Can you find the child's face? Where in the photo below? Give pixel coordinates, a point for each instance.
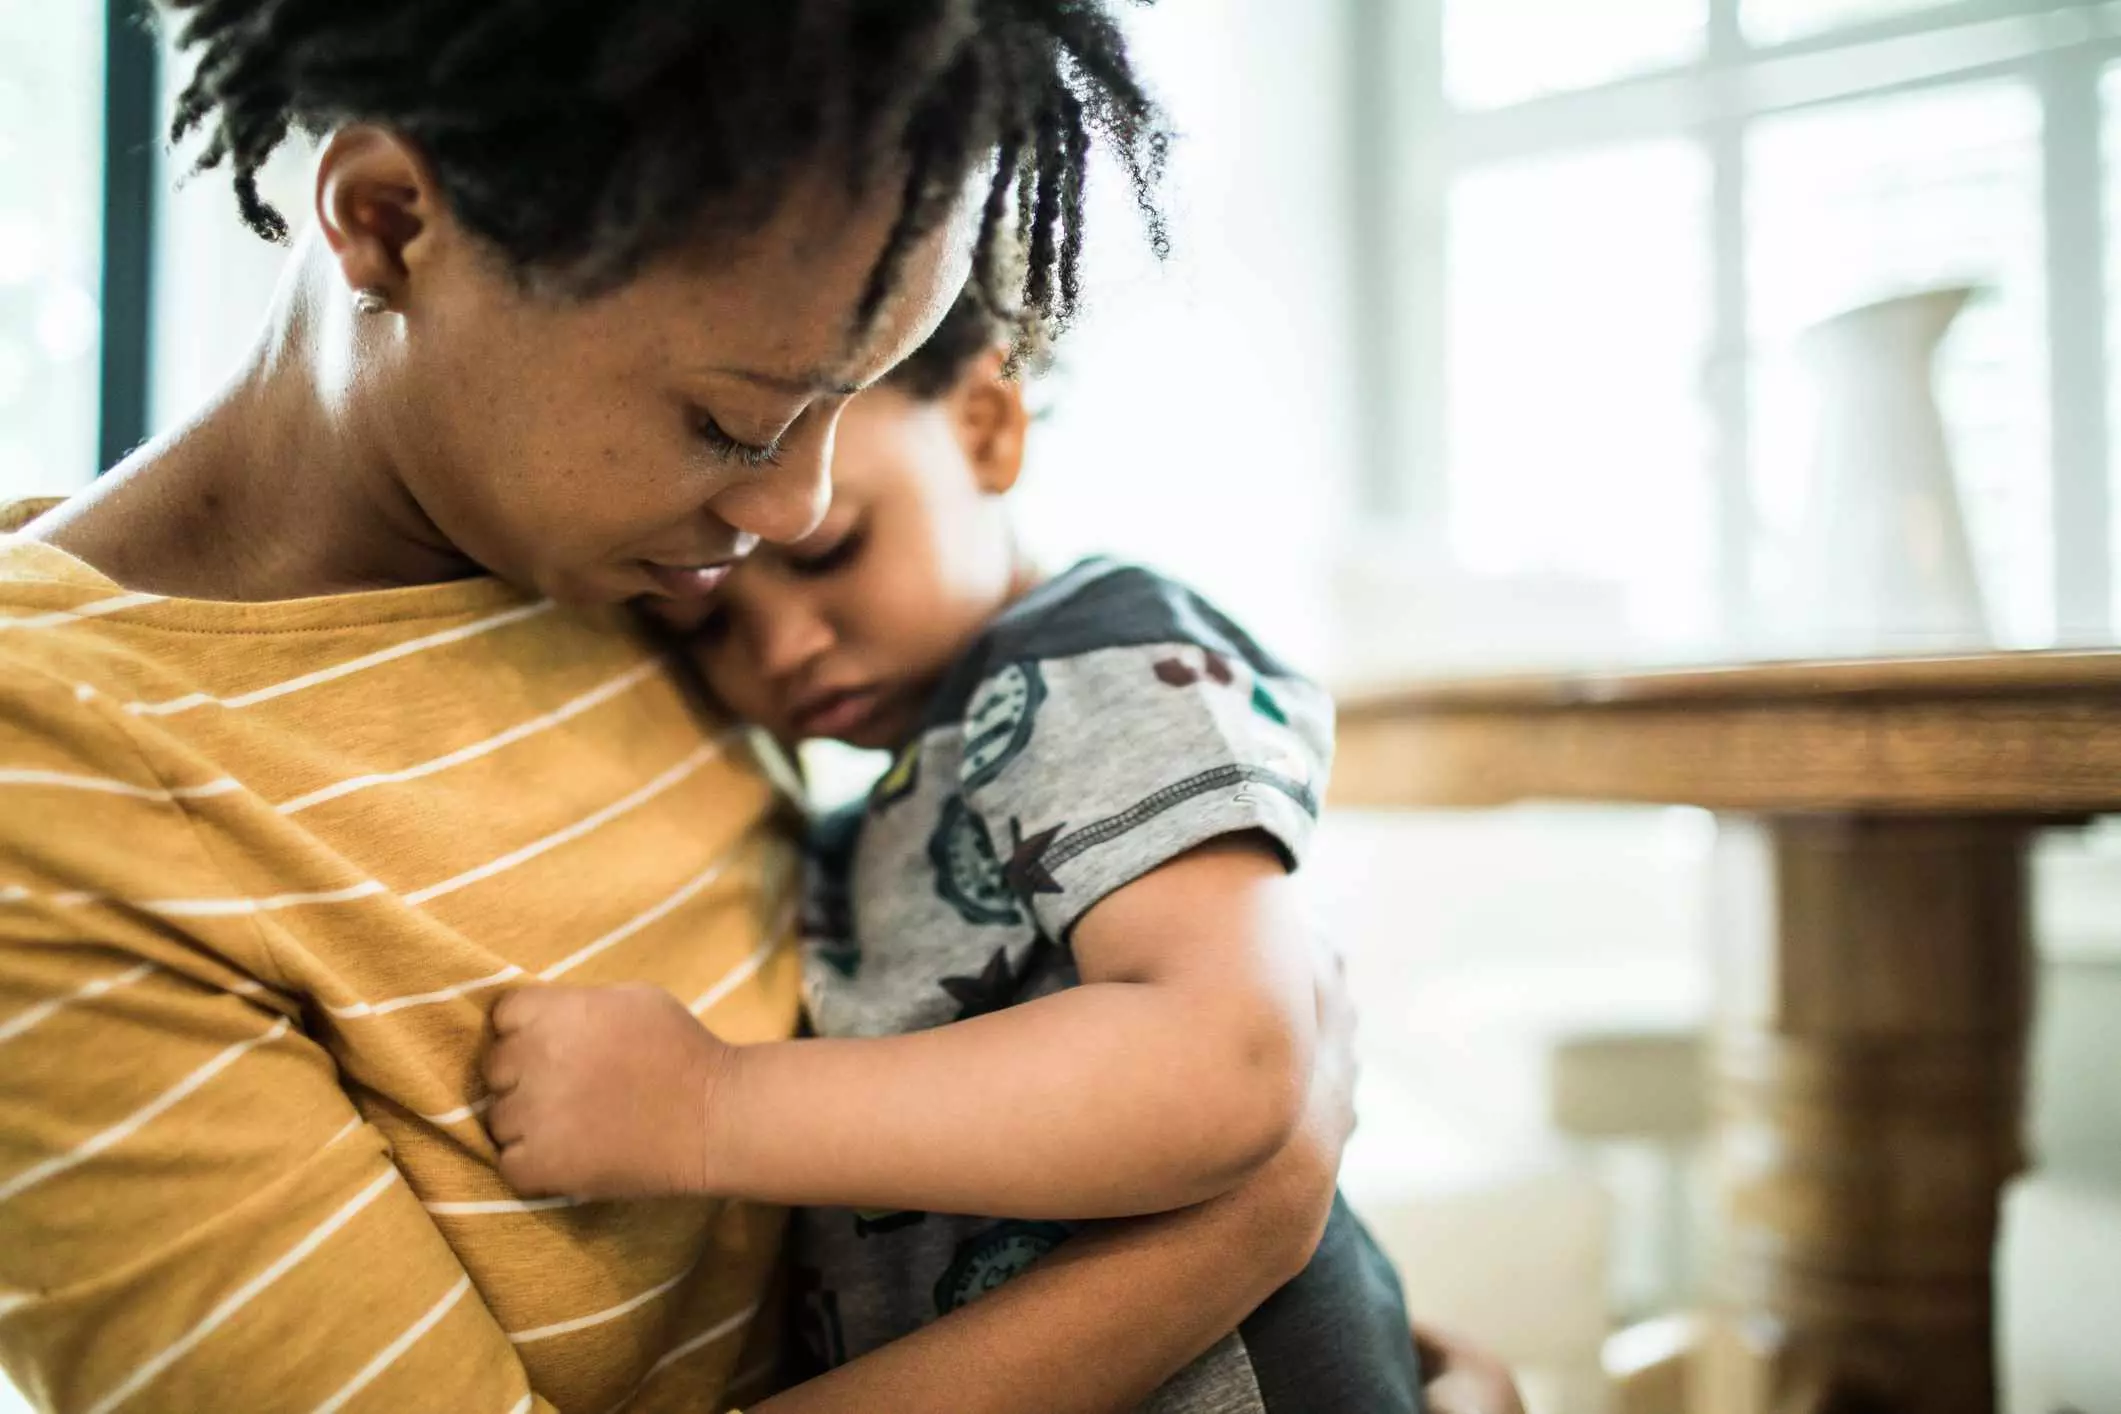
(846, 633)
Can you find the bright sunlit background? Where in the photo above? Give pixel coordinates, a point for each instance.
(1476, 348)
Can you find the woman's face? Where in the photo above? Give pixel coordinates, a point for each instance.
(638, 442)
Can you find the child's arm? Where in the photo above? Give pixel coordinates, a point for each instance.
(1176, 1069)
(1171, 1074)
(1113, 1312)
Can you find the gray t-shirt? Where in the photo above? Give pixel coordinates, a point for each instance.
(1105, 724)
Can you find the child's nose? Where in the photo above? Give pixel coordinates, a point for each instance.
(791, 638)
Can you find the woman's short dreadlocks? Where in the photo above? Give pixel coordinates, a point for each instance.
(582, 137)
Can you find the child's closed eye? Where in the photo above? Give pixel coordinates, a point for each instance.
(835, 557)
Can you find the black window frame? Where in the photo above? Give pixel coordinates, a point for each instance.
(131, 84)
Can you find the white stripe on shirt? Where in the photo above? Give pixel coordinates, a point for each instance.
(43, 1011)
(720, 1330)
(388, 1355)
(736, 977)
(490, 1206)
(233, 907)
(115, 604)
(635, 924)
(200, 907)
(698, 757)
(66, 780)
(595, 697)
(339, 670)
(369, 888)
(88, 1148)
(242, 1296)
(597, 1318)
(442, 994)
(461, 1112)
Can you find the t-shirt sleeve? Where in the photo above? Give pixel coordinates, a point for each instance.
(192, 1214)
(1089, 771)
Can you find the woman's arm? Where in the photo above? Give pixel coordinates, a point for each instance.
(193, 1216)
(1108, 1316)
(1168, 1077)
(192, 1213)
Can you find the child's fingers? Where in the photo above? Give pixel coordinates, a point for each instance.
(502, 1067)
(514, 1010)
(504, 1120)
(521, 1170)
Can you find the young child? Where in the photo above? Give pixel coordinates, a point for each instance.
(1054, 962)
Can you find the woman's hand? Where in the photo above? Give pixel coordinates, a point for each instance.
(601, 1092)
(1304, 1175)
(1461, 1379)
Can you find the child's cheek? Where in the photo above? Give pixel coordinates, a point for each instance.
(732, 689)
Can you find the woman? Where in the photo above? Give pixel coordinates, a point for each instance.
(322, 720)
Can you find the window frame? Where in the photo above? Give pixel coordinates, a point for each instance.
(131, 132)
(2059, 48)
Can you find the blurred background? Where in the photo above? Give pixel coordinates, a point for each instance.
(1479, 346)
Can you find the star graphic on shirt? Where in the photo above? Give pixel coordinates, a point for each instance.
(996, 986)
(1026, 872)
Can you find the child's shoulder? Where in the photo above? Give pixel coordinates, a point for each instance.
(1111, 657)
(1109, 722)
(1103, 604)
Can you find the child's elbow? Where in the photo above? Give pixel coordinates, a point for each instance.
(1268, 1065)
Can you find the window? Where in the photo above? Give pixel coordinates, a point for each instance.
(1616, 382)
(2111, 102)
(1640, 207)
(1502, 51)
(1778, 21)
(51, 222)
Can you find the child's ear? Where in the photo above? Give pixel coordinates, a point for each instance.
(992, 422)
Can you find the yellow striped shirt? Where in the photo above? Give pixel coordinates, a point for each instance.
(263, 870)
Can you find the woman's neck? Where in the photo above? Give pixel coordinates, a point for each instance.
(283, 487)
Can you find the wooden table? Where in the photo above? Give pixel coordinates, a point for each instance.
(1873, 965)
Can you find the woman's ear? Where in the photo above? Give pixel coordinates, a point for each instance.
(377, 204)
(988, 413)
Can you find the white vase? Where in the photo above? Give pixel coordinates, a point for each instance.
(1885, 566)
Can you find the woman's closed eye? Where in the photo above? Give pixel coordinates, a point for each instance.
(732, 449)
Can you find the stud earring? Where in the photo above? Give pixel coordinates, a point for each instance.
(370, 300)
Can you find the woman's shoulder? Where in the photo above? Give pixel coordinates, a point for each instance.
(61, 620)
(55, 612)
(45, 694)
(57, 661)
(88, 819)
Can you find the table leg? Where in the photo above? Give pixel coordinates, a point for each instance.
(1874, 978)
